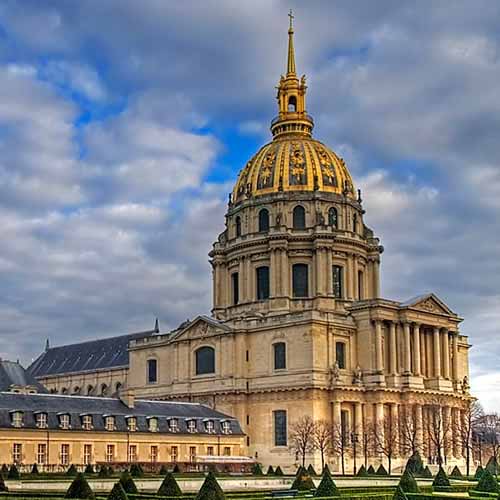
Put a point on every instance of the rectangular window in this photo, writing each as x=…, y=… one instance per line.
x=340, y=354
x=132, y=453
x=152, y=371
x=226, y=427
x=210, y=450
x=17, y=453
x=153, y=425
x=17, y=419
x=279, y=356
x=87, y=454
x=64, y=458
x=227, y=451
x=344, y=424
x=209, y=426
x=41, y=454
x=235, y=280
x=173, y=425
x=64, y=421
x=262, y=283
x=110, y=423
x=300, y=280
x=191, y=425
x=41, y=420
x=174, y=453
x=247, y=356
x=360, y=285
x=154, y=453
x=87, y=422
x=132, y=424
x=338, y=279
x=280, y=430
x=110, y=453
x=192, y=454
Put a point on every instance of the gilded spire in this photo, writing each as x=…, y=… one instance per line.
x=290, y=69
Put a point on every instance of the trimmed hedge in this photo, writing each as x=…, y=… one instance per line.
x=13, y=472
x=79, y=488
x=169, y=487
x=381, y=471
x=257, y=470
x=399, y=494
x=479, y=472
x=3, y=486
x=210, y=489
x=407, y=483
x=415, y=464
x=371, y=470
x=455, y=473
x=71, y=471
x=327, y=488
x=362, y=472
x=303, y=481
x=278, y=471
x=128, y=483
x=311, y=471
x=117, y=493
x=427, y=473
x=270, y=471
x=441, y=481
x=487, y=483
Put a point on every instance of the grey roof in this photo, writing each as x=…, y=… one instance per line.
x=13, y=374
x=111, y=352
x=77, y=406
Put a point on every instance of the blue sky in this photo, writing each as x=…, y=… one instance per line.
x=123, y=125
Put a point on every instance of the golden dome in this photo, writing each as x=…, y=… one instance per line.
x=293, y=161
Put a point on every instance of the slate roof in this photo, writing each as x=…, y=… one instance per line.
x=13, y=374
x=111, y=352
x=77, y=406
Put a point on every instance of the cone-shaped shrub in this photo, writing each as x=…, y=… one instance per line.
x=427, y=472
x=210, y=489
x=79, y=488
x=117, y=493
x=3, y=487
x=71, y=471
x=492, y=465
x=381, y=471
x=415, y=464
x=371, y=471
x=5, y=469
x=163, y=470
x=278, y=471
x=407, y=483
x=326, y=470
x=103, y=472
x=303, y=481
x=34, y=470
x=257, y=470
x=479, y=472
x=176, y=469
x=110, y=471
x=128, y=483
x=89, y=469
x=169, y=487
x=311, y=470
x=270, y=471
x=455, y=473
x=399, y=494
x=441, y=481
x=13, y=472
x=327, y=488
x=487, y=483
x=362, y=471
x=136, y=470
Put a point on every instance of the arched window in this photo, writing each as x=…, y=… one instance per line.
x=292, y=103
x=118, y=387
x=64, y=390
x=279, y=356
x=235, y=285
x=262, y=282
x=300, y=280
x=76, y=390
x=299, y=217
x=104, y=390
x=338, y=281
x=355, y=223
x=340, y=354
x=333, y=217
x=152, y=371
x=90, y=390
x=238, y=226
x=263, y=220
x=205, y=360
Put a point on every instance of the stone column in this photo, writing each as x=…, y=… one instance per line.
x=355, y=283
x=437, y=354
x=249, y=281
x=456, y=432
x=337, y=418
x=285, y=273
x=423, y=353
x=273, y=275
x=395, y=427
x=454, y=368
x=446, y=354
x=379, y=366
x=241, y=280
x=406, y=349
x=419, y=427
x=393, y=349
x=447, y=429
x=376, y=278
x=329, y=273
x=463, y=423
x=358, y=418
x=417, y=370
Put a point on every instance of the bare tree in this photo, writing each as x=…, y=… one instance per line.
x=439, y=428
x=409, y=444
x=489, y=427
x=302, y=437
x=323, y=439
x=367, y=443
x=472, y=417
x=340, y=444
x=386, y=439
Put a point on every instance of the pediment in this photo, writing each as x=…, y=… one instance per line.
x=429, y=303
x=201, y=327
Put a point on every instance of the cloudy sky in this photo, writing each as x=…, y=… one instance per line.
x=123, y=125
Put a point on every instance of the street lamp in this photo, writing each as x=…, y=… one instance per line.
x=354, y=441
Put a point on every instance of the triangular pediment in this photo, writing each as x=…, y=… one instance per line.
x=428, y=303
x=201, y=327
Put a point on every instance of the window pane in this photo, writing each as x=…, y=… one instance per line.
x=299, y=217
x=279, y=356
x=300, y=280
x=152, y=376
x=238, y=226
x=262, y=283
x=337, y=281
x=332, y=217
x=360, y=285
x=205, y=360
x=280, y=438
x=263, y=220
x=340, y=354
x=236, y=288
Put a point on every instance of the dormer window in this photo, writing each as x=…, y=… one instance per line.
x=17, y=419
x=191, y=425
x=132, y=424
x=41, y=420
x=226, y=427
x=173, y=425
x=109, y=423
x=153, y=424
x=87, y=422
x=209, y=426
x=64, y=421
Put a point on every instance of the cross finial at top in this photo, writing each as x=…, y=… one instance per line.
x=291, y=16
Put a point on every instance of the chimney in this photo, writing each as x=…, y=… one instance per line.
x=127, y=397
